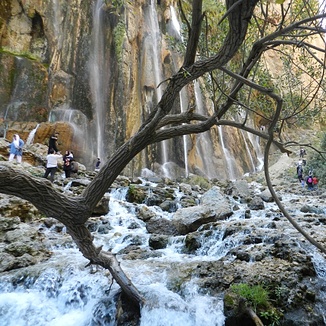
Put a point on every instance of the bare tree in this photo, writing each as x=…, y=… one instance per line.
x=239, y=16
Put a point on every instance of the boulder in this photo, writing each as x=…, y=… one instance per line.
x=256, y=203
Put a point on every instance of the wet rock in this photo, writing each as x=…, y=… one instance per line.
x=7, y=224
x=192, y=242
x=170, y=206
x=312, y=209
x=266, y=196
x=102, y=207
x=145, y=214
x=7, y=262
x=238, y=190
x=23, y=233
x=161, y=226
x=256, y=204
x=157, y=241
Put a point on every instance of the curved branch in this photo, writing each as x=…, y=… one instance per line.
x=192, y=44
x=97, y=256
x=42, y=194
x=268, y=180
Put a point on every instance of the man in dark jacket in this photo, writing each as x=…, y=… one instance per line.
x=53, y=142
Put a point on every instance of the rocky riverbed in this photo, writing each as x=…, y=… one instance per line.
x=235, y=226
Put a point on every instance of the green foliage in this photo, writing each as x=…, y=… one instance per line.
x=258, y=298
x=271, y=317
x=23, y=54
x=119, y=37
x=318, y=162
x=199, y=181
x=115, y=6
x=295, y=63
x=256, y=295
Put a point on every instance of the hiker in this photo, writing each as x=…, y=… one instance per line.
x=315, y=182
x=53, y=142
x=51, y=164
x=67, y=163
x=16, y=149
x=97, y=165
x=309, y=181
x=300, y=174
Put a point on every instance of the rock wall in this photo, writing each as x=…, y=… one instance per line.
x=91, y=65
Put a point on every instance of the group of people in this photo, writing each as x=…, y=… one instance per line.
x=69, y=164
x=310, y=180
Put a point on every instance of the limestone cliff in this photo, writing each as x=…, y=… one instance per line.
x=96, y=66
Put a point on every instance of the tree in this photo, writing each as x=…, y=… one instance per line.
x=236, y=57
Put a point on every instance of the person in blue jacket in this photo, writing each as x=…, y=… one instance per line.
x=16, y=149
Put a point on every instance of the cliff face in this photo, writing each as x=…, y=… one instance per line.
x=97, y=67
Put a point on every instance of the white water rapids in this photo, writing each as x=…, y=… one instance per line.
x=63, y=292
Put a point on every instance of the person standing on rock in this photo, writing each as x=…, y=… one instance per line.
x=16, y=149
x=52, y=164
x=97, y=165
x=53, y=142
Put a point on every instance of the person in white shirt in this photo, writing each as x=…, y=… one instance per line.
x=52, y=164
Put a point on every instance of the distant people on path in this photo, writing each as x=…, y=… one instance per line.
x=16, y=149
x=309, y=181
x=53, y=141
x=300, y=174
x=315, y=182
x=67, y=163
x=98, y=164
x=52, y=164
x=302, y=152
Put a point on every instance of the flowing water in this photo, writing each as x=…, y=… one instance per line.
x=230, y=161
x=183, y=106
x=155, y=41
x=31, y=135
x=63, y=292
x=99, y=76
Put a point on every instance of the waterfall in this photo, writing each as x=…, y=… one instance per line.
x=204, y=143
x=256, y=145
x=31, y=135
x=57, y=16
x=99, y=76
x=77, y=120
x=253, y=166
x=155, y=35
x=183, y=107
x=174, y=25
x=230, y=164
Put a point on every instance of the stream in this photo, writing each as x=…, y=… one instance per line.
x=63, y=291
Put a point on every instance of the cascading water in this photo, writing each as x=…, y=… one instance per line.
x=62, y=291
x=230, y=164
x=256, y=145
x=76, y=119
x=99, y=76
x=57, y=23
x=183, y=106
x=253, y=166
x=31, y=135
x=204, y=143
x=174, y=28
x=155, y=35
